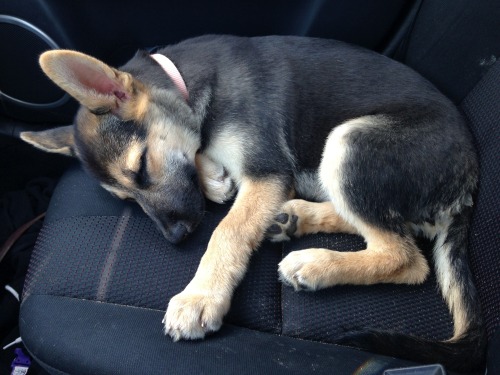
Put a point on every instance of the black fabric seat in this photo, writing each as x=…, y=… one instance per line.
x=101, y=277
x=104, y=263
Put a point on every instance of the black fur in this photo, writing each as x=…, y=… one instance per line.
x=396, y=174
x=264, y=84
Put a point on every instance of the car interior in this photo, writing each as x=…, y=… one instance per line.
x=86, y=277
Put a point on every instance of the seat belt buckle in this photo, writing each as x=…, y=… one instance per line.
x=21, y=364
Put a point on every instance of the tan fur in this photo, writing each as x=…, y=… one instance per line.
x=61, y=65
x=59, y=141
x=229, y=149
x=203, y=303
x=215, y=182
x=388, y=258
x=164, y=137
x=444, y=272
x=135, y=109
x=129, y=162
x=116, y=192
x=133, y=156
x=312, y=218
x=91, y=121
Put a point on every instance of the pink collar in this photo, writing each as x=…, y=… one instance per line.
x=169, y=68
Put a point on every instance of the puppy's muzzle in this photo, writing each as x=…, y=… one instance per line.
x=177, y=230
x=177, y=206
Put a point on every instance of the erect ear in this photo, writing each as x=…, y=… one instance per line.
x=58, y=140
x=94, y=84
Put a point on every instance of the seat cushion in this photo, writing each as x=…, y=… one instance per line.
x=102, y=261
x=95, y=247
x=70, y=335
x=482, y=110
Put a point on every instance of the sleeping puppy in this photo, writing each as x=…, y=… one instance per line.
x=368, y=145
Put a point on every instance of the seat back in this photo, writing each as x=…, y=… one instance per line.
x=482, y=109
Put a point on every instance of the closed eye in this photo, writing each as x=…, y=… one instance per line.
x=141, y=176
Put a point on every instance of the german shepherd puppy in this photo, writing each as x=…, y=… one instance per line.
x=372, y=148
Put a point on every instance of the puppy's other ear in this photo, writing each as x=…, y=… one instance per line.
x=94, y=84
x=58, y=140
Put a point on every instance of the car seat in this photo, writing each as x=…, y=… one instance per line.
x=101, y=274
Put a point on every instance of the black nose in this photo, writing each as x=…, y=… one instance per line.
x=176, y=227
x=177, y=231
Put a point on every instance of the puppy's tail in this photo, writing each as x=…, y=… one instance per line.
x=465, y=351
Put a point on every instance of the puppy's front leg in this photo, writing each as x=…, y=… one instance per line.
x=204, y=302
x=215, y=182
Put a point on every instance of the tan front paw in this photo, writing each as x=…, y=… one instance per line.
x=306, y=269
x=215, y=182
x=218, y=189
x=191, y=315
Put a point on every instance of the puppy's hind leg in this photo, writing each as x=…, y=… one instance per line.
x=388, y=258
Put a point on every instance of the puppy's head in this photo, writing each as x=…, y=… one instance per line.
x=134, y=131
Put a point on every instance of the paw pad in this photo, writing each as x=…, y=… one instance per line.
x=284, y=227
